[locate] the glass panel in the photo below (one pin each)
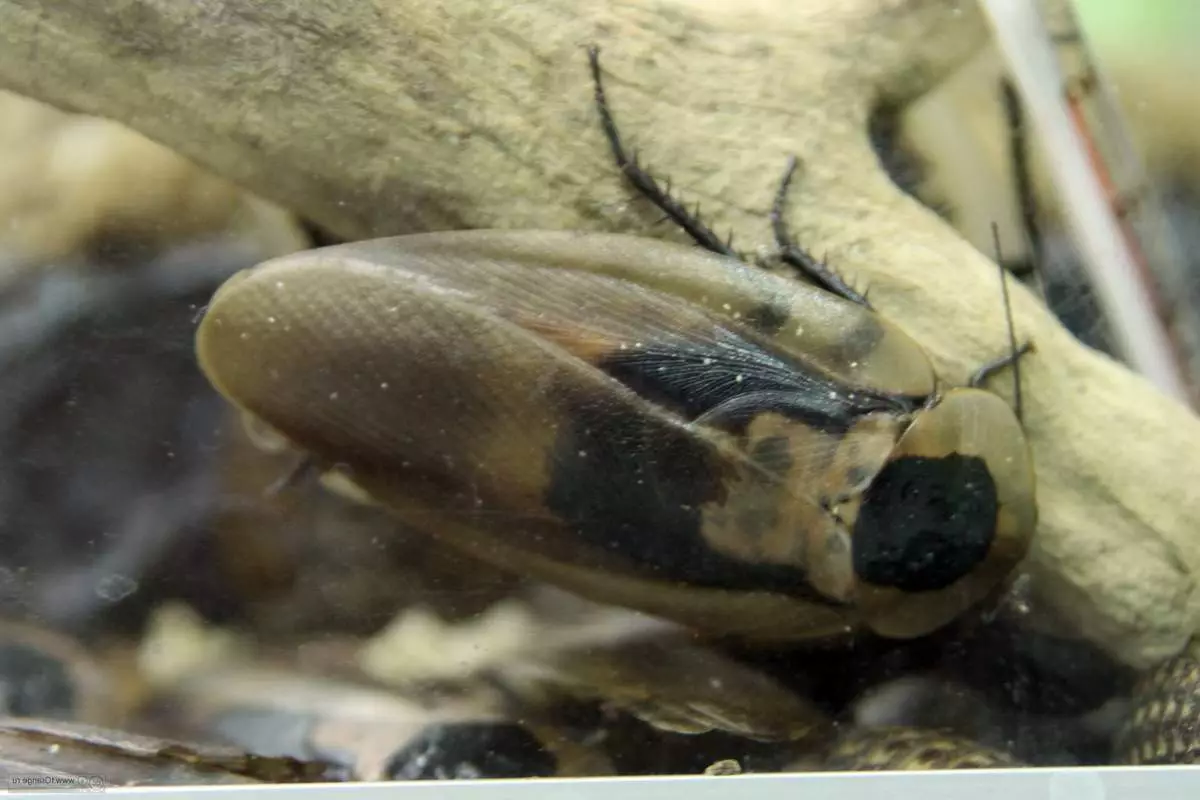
(399, 442)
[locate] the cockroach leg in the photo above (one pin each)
(646, 184)
(797, 257)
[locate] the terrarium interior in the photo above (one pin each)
(515, 390)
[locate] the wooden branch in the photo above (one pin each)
(385, 118)
(377, 119)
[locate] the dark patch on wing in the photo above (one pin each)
(738, 378)
(862, 337)
(925, 522)
(632, 485)
(767, 318)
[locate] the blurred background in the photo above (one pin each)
(956, 155)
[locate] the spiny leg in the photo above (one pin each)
(794, 255)
(645, 183)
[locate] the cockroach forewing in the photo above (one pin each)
(813, 327)
(462, 408)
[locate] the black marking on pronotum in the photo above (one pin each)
(645, 183)
(464, 751)
(925, 522)
(629, 484)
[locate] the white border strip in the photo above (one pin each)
(1105, 783)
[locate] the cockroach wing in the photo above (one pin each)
(847, 342)
(543, 417)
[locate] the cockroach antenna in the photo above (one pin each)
(1015, 353)
(1013, 358)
